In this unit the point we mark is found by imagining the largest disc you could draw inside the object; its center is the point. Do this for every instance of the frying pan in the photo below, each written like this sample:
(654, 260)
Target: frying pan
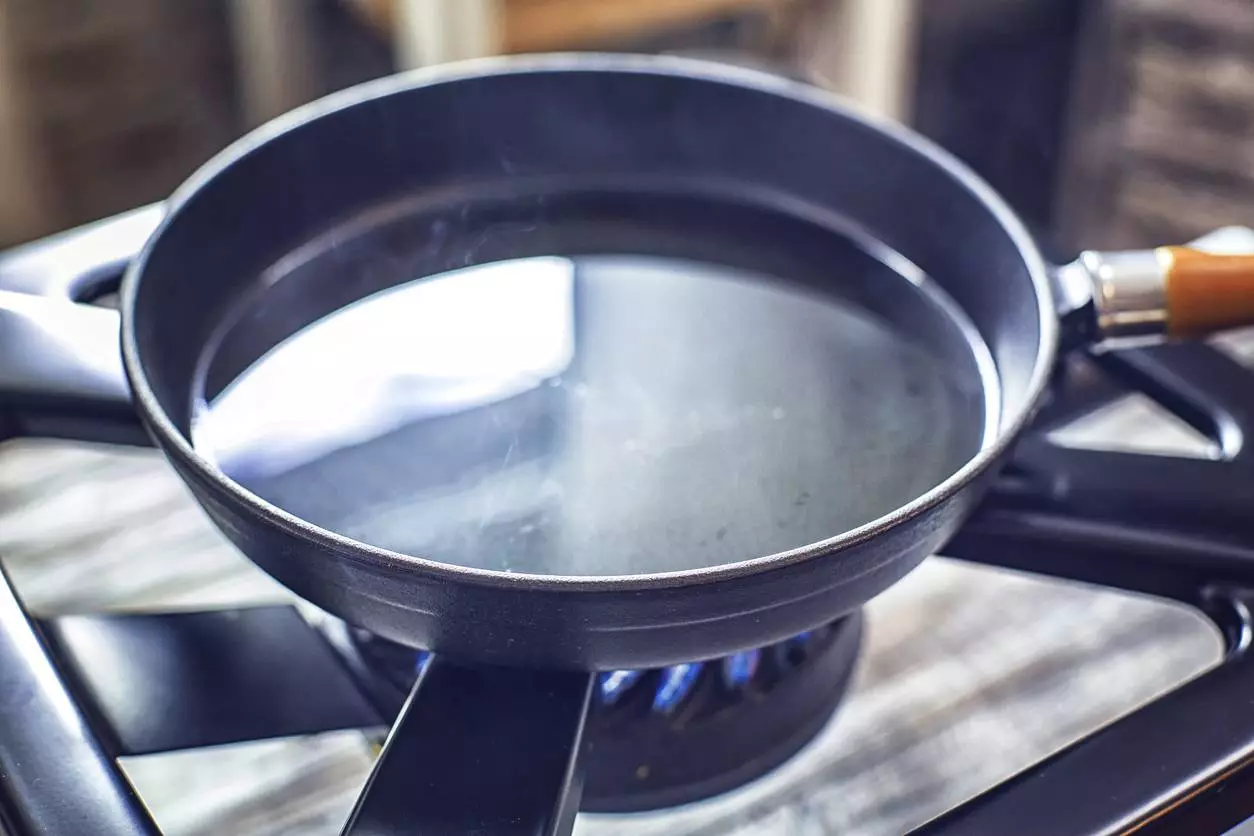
(885, 239)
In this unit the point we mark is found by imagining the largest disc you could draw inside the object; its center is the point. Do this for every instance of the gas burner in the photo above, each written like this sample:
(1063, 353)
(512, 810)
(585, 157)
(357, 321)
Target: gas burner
(680, 734)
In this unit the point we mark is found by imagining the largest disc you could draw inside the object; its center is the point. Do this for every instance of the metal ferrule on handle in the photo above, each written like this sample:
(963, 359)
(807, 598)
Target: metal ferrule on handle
(1129, 294)
(1168, 292)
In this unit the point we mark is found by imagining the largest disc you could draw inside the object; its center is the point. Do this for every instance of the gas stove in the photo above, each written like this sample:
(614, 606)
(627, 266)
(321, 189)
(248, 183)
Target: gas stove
(1076, 664)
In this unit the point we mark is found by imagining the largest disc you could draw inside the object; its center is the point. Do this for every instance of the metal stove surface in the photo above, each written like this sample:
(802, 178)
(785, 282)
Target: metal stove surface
(968, 674)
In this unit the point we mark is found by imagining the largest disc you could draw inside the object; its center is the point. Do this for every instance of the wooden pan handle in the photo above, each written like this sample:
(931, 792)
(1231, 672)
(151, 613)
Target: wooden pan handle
(1206, 292)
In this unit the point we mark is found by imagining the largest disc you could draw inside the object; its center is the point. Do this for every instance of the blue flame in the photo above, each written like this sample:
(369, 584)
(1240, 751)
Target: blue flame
(739, 668)
(677, 683)
(613, 684)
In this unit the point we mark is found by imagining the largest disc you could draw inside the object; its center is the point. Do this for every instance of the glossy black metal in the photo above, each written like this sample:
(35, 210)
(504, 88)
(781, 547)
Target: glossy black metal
(1168, 526)
(161, 682)
(509, 746)
(56, 777)
(62, 376)
(156, 682)
(1142, 511)
(1137, 774)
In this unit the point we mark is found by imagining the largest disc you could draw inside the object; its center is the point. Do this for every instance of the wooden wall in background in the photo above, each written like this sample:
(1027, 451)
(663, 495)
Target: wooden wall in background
(540, 25)
(543, 25)
(861, 48)
(1163, 129)
(107, 104)
(432, 31)
(26, 205)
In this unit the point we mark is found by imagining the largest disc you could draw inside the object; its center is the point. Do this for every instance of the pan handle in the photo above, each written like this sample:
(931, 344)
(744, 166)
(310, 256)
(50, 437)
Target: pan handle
(1168, 292)
(60, 365)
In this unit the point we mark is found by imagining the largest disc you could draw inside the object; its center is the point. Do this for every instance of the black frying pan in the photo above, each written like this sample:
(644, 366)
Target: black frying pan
(577, 362)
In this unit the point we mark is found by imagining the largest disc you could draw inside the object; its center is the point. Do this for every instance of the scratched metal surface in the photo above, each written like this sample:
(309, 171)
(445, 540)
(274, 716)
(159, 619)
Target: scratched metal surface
(969, 674)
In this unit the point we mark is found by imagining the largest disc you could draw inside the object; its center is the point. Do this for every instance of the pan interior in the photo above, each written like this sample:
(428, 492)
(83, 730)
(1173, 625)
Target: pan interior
(602, 382)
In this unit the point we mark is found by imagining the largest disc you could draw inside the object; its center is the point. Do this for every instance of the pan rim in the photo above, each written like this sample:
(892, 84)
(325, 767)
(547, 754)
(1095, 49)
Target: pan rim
(180, 450)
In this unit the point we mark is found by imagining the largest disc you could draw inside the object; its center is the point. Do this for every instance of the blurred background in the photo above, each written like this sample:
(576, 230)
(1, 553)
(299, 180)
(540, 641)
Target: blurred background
(1112, 122)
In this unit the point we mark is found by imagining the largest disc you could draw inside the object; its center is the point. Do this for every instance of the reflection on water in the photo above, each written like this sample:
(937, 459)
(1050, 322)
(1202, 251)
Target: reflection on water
(415, 352)
(598, 416)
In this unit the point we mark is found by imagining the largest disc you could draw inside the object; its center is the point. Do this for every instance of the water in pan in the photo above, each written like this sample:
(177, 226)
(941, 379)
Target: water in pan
(592, 416)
